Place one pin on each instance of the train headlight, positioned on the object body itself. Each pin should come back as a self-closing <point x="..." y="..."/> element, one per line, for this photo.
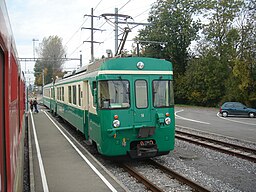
<point x="140" y="65"/>
<point x="116" y="123"/>
<point x="167" y="120"/>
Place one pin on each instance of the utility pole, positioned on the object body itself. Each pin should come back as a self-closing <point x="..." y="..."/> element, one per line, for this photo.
<point x="116" y="29"/>
<point x="81" y="57"/>
<point x="92" y="32"/>
<point x="126" y="30"/>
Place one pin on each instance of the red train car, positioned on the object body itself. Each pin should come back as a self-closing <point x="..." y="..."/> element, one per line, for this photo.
<point x="12" y="109"/>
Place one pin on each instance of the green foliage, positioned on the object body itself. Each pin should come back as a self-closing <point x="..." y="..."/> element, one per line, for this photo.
<point x="51" y="52"/>
<point x="222" y="65"/>
<point x="172" y="25"/>
<point x="242" y="73"/>
<point x="203" y="81"/>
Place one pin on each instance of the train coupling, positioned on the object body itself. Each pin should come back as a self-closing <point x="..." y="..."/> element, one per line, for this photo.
<point x="144" y="149"/>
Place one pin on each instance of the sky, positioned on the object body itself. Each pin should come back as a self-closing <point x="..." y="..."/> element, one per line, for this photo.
<point x="38" y="19"/>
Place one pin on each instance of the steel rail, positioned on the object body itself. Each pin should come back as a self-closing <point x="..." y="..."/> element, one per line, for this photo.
<point x="166" y="170"/>
<point x="243" y="148"/>
<point x="178" y="176"/>
<point x="141" y="178"/>
<point x="224" y="147"/>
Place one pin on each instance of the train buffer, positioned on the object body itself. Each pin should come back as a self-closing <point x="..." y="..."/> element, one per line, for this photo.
<point x="59" y="164"/>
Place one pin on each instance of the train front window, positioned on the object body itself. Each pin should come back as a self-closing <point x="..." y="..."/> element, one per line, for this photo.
<point x="163" y="93"/>
<point x="141" y="94"/>
<point x="114" y="94"/>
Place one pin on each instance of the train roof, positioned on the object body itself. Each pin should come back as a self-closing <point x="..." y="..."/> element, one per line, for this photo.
<point x="130" y="63"/>
<point x="6" y="33"/>
<point x="5" y="25"/>
<point x="6" y="29"/>
<point x="121" y="65"/>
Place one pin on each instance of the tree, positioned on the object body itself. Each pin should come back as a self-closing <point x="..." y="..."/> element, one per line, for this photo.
<point x="172" y="23"/>
<point x="245" y="70"/>
<point x="202" y="83"/>
<point x="221" y="18"/>
<point x="218" y="49"/>
<point x="51" y="53"/>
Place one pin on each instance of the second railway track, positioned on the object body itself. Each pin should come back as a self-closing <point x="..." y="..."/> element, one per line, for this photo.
<point x="225" y="147"/>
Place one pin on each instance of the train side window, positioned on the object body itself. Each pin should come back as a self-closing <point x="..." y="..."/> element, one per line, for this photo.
<point x="60" y="96"/>
<point x="94" y="87"/>
<point x="52" y="93"/>
<point x="62" y="93"/>
<point x="79" y="95"/>
<point x="69" y="94"/>
<point x="47" y="92"/>
<point x="141" y="94"/>
<point x="74" y="94"/>
<point x="57" y="93"/>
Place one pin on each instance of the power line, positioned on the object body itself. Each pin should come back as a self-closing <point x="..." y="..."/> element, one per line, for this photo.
<point x="113" y="24"/>
<point x="28" y="59"/>
<point x="92" y="33"/>
<point x="76" y="32"/>
<point x="124" y="5"/>
<point x="85" y="40"/>
<point x="76" y="49"/>
<point x="107" y="21"/>
<point x="142" y="13"/>
<point x="82" y="24"/>
<point x="97" y="5"/>
<point x="137" y="10"/>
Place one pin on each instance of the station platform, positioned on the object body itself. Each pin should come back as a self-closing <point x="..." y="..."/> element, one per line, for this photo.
<point x="59" y="164"/>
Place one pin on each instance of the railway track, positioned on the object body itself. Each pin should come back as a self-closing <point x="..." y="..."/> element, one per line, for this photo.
<point x="165" y="170"/>
<point x="224" y="147"/>
<point x="142" y="179"/>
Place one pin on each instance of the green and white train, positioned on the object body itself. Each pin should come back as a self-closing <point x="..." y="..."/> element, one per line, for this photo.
<point x="125" y="106"/>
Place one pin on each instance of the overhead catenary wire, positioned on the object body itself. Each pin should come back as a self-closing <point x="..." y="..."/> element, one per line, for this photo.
<point x="112" y="23"/>
<point x="124" y="5"/>
<point x="107" y="37"/>
<point x="85" y="40"/>
<point x="97" y="5"/>
<point x="76" y="32"/>
<point x="82" y="24"/>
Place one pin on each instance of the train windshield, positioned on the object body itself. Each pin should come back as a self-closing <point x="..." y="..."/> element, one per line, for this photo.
<point x="114" y="94"/>
<point x="163" y="93"/>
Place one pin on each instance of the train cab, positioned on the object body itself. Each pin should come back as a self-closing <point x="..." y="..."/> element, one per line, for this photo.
<point x="135" y="107"/>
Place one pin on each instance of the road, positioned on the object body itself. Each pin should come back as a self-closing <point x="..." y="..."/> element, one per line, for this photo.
<point x="208" y="120"/>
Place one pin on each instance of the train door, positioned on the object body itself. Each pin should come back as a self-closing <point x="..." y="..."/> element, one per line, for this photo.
<point x="85" y="96"/>
<point x="2" y="127"/>
<point x="93" y="119"/>
<point x="51" y="94"/>
<point x="142" y="108"/>
<point x="52" y="100"/>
